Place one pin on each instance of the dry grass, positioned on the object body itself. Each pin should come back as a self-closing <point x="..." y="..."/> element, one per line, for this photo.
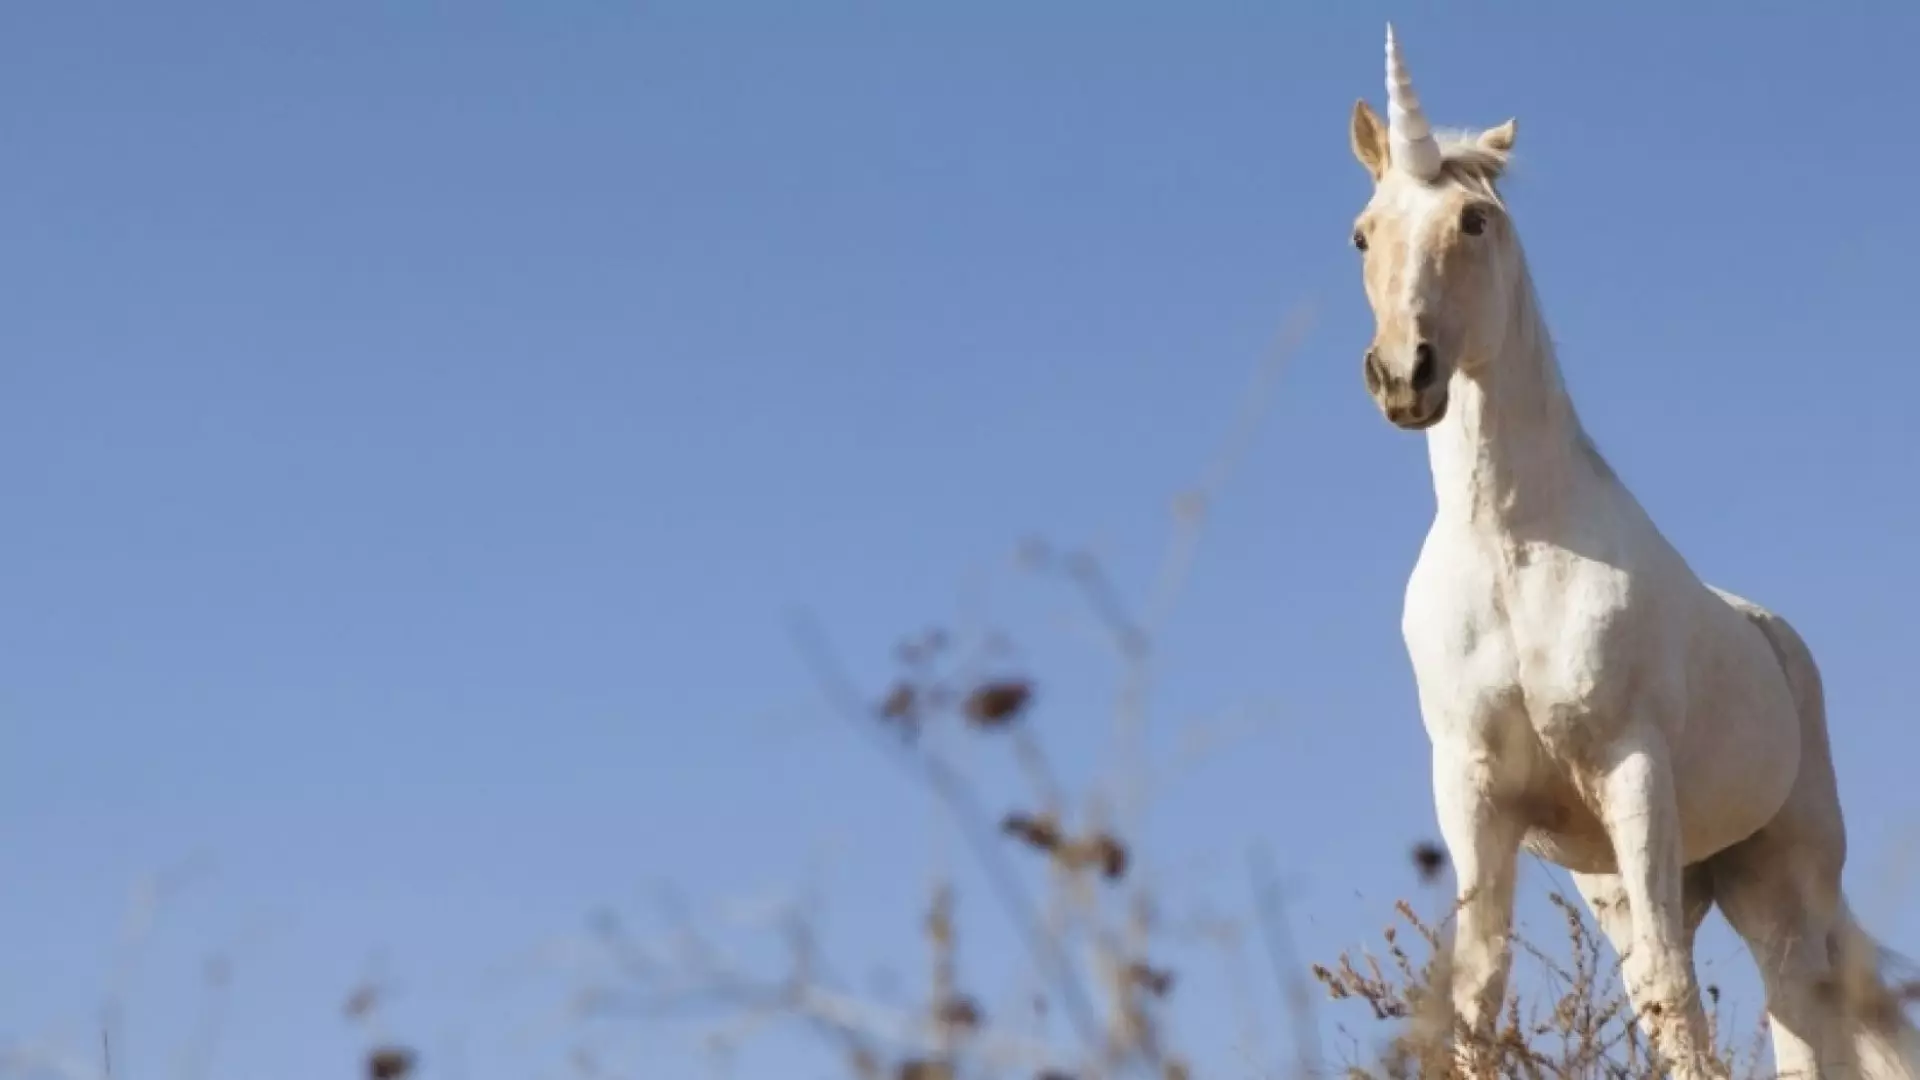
<point x="1578" y="1025"/>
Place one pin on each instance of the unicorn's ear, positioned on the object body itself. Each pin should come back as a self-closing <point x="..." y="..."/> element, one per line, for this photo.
<point x="1499" y="139"/>
<point x="1369" y="139"/>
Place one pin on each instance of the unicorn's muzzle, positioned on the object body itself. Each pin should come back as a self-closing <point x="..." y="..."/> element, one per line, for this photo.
<point x="1413" y="395"/>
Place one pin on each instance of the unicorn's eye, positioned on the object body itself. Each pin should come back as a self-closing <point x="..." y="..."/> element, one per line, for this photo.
<point x="1359" y="240"/>
<point x="1473" y="221"/>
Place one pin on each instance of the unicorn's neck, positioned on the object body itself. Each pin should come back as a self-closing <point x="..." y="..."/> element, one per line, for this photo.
<point x="1511" y="449"/>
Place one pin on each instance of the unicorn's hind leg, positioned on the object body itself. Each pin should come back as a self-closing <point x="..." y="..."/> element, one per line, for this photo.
<point x="1782" y="896"/>
<point x="1780" y="889"/>
<point x="1832" y="1013"/>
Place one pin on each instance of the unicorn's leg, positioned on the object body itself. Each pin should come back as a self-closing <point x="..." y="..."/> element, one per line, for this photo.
<point x="1832" y="1003"/>
<point x="1484" y="843"/>
<point x="1780" y="889"/>
<point x="1607" y="899"/>
<point x="1781" y="899"/>
<point x="1642" y="818"/>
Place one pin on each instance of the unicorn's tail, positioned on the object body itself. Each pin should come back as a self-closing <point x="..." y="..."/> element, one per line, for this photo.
<point x="1885" y="1041"/>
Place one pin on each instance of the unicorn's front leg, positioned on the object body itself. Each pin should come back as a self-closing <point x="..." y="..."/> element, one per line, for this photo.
<point x="1642" y="817"/>
<point x="1484" y="844"/>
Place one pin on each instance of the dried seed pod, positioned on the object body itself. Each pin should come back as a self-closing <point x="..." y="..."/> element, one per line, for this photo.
<point x="1112" y="855"/>
<point x="390" y="1063"/>
<point x="960" y="1013"/>
<point x="1429" y="860"/>
<point x="1038" y="832"/>
<point x="997" y="704"/>
<point x="1155" y="981"/>
<point x="899" y="702"/>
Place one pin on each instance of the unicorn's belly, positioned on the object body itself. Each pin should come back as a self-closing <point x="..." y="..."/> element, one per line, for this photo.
<point x="1564" y="830"/>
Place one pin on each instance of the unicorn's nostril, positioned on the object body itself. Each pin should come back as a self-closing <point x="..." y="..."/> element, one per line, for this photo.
<point x="1375" y="375"/>
<point x="1424" y="368"/>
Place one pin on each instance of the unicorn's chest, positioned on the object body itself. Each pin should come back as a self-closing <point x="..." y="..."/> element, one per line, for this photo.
<point x="1540" y="633"/>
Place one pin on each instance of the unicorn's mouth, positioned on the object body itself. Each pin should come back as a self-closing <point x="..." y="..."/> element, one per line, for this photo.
<point x="1422" y="423"/>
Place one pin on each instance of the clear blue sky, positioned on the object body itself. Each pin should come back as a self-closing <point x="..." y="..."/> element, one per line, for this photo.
<point x="417" y="419"/>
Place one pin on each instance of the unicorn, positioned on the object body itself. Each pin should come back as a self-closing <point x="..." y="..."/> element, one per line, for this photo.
<point x="1588" y="698"/>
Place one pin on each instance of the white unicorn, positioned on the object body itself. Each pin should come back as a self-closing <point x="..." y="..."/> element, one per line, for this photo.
<point x="1588" y="698"/>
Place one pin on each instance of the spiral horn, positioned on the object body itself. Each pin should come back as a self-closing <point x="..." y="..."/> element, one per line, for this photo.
<point x="1410" y="142"/>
